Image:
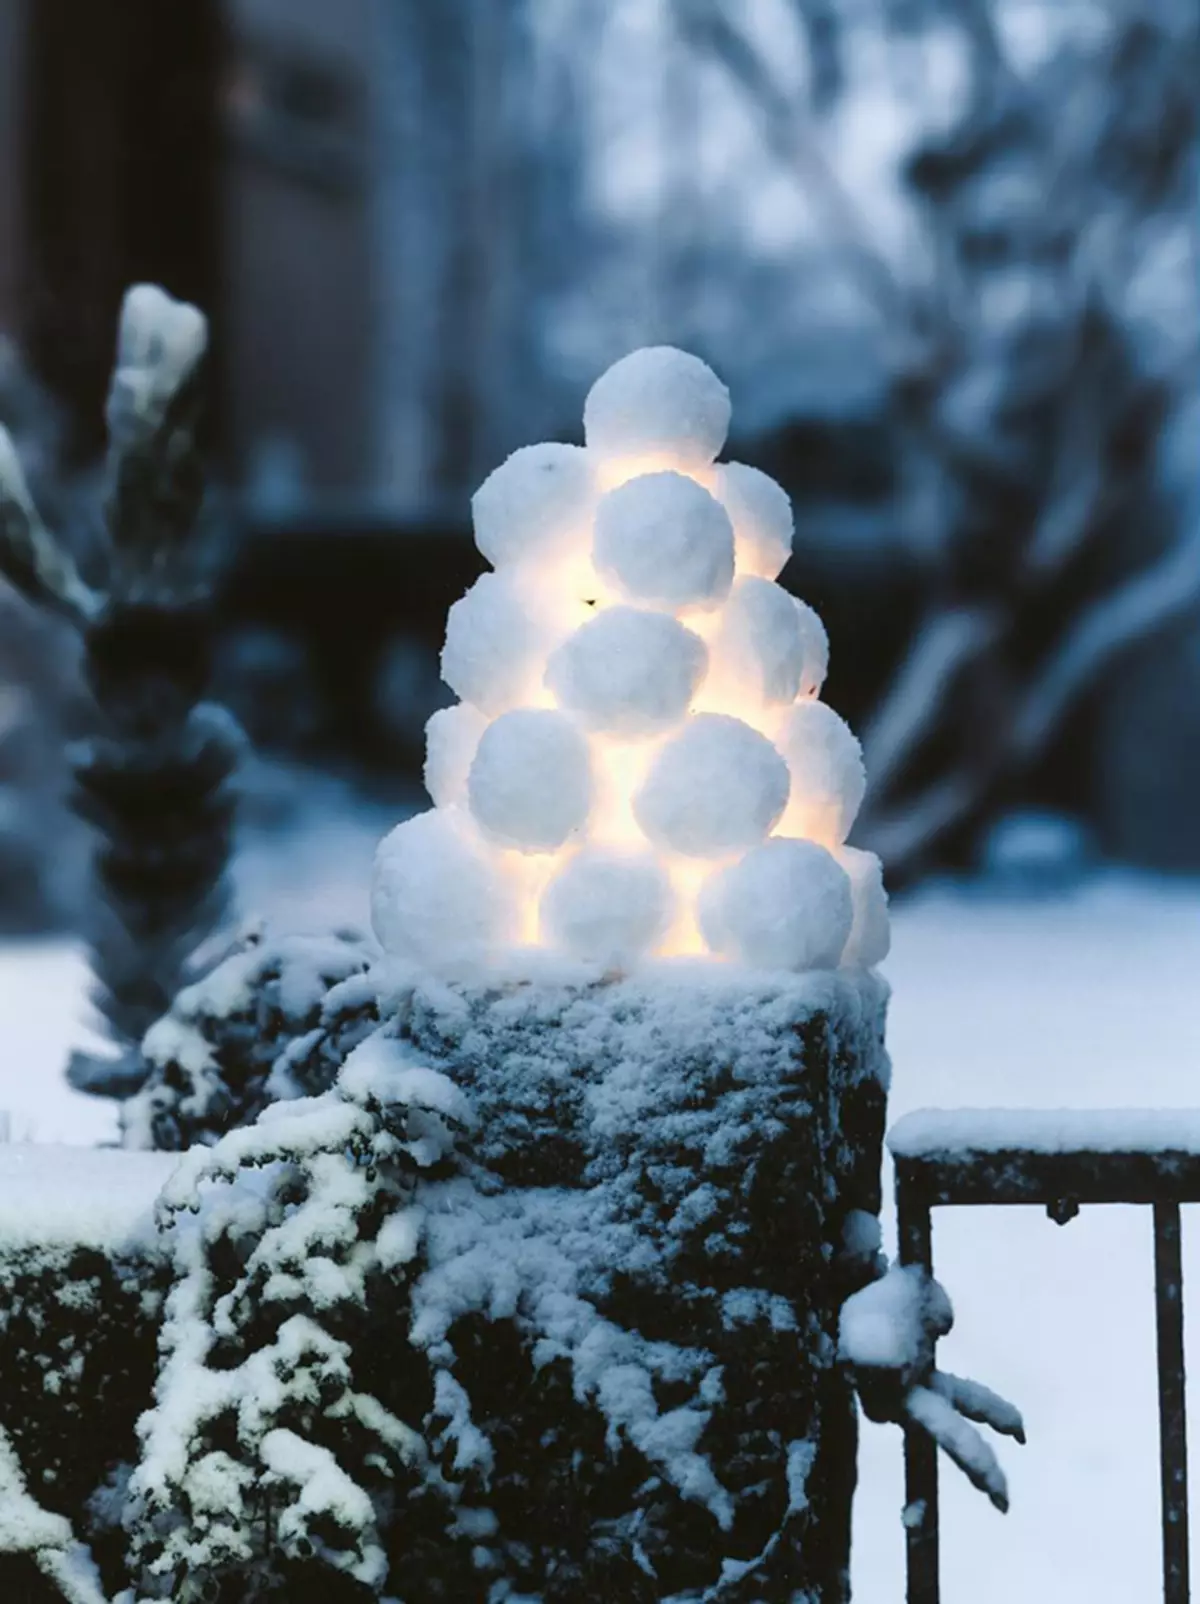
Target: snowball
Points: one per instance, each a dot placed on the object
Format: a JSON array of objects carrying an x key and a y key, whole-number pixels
[
  {"x": 628, "y": 672},
  {"x": 761, "y": 515},
  {"x": 451, "y": 736},
  {"x": 785, "y": 905},
  {"x": 870, "y": 936},
  {"x": 494, "y": 645},
  {"x": 718, "y": 787},
  {"x": 607, "y": 907},
  {"x": 537, "y": 500},
  {"x": 816, "y": 649},
  {"x": 759, "y": 650},
  {"x": 530, "y": 783},
  {"x": 434, "y": 897},
  {"x": 658, "y": 400},
  {"x": 662, "y": 538},
  {"x": 828, "y": 778}
]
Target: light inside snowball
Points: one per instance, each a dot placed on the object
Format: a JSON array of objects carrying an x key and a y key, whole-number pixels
[
  {"x": 663, "y": 540},
  {"x": 451, "y": 737},
  {"x": 608, "y": 907},
  {"x": 435, "y": 898},
  {"x": 761, "y": 514},
  {"x": 627, "y": 672},
  {"x": 535, "y": 504},
  {"x": 658, "y": 400},
  {"x": 716, "y": 788},
  {"x": 786, "y": 905},
  {"x": 828, "y": 777},
  {"x": 530, "y": 782}
]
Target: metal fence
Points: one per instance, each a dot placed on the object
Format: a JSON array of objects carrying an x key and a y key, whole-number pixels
[{"x": 956, "y": 1158}]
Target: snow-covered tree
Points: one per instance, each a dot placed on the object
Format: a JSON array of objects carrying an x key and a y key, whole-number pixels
[{"x": 153, "y": 779}]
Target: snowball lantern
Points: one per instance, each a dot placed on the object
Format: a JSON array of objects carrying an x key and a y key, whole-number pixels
[{"x": 639, "y": 766}]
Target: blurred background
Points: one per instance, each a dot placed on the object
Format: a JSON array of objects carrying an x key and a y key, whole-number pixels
[
  {"x": 946, "y": 255},
  {"x": 944, "y": 252}
]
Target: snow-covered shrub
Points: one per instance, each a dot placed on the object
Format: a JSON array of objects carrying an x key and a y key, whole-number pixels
[
  {"x": 153, "y": 780},
  {"x": 82, "y": 1282},
  {"x": 273, "y": 1018},
  {"x": 513, "y": 1309}
]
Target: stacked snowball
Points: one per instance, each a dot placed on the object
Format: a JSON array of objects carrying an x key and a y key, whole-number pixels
[{"x": 639, "y": 763}]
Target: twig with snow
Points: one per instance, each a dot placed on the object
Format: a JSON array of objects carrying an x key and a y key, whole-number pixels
[{"x": 888, "y": 1336}]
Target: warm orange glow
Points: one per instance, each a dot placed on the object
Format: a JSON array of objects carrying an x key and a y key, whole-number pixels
[{"x": 618, "y": 769}]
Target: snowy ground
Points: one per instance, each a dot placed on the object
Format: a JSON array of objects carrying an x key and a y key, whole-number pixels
[{"x": 1086, "y": 1000}]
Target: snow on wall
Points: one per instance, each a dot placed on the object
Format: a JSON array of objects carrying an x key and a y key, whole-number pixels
[{"x": 78, "y": 1197}]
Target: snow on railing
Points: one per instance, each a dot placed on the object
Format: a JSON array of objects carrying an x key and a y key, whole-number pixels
[{"x": 1058, "y": 1159}]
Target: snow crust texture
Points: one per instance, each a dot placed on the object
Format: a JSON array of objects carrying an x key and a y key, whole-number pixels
[
  {"x": 505, "y": 1313},
  {"x": 632, "y": 680}
]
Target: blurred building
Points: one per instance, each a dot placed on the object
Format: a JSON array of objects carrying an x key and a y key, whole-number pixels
[{"x": 340, "y": 186}]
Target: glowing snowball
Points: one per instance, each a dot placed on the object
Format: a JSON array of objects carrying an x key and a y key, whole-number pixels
[
  {"x": 494, "y": 645},
  {"x": 451, "y": 736},
  {"x": 627, "y": 672},
  {"x": 816, "y": 649},
  {"x": 435, "y": 899},
  {"x": 761, "y": 515},
  {"x": 607, "y": 907},
  {"x": 658, "y": 401},
  {"x": 870, "y": 936},
  {"x": 828, "y": 778},
  {"x": 537, "y": 500},
  {"x": 530, "y": 783},
  {"x": 785, "y": 905},
  {"x": 759, "y": 651},
  {"x": 718, "y": 787},
  {"x": 661, "y": 538}
]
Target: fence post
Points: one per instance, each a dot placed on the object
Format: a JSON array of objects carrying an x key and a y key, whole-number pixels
[
  {"x": 1172, "y": 1417},
  {"x": 914, "y": 1220}
]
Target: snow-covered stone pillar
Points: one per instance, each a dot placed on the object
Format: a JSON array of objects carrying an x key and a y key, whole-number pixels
[{"x": 631, "y": 931}]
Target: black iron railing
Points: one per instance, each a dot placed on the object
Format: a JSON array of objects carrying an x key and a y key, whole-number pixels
[{"x": 1061, "y": 1162}]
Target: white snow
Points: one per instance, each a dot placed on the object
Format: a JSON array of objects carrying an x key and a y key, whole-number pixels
[
  {"x": 608, "y": 907},
  {"x": 785, "y": 905},
  {"x": 435, "y": 899},
  {"x": 717, "y": 788},
  {"x": 627, "y": 672},
  {"x": 761, "y": 514},
  {"x": 662, "y": 539},
  {"x": 534, "y": 504},
  {"x": 759, "y": 652},
  {"x": 451, "y": 738},
  {"x": 829, "y": 782},
  {"x": 870, "y": 935},
  {"x": 56, "y": 1196},
  {"x": 658, "y": 400},
  {"x": 530, "y": 785},
  {"x": 1088, "y": 998},
  {"x": 816, "y": 649},
  {"x": 883, "y": 1325},
  {"x": 495, "y": 646},
  {"x": 932, "y": 1132}
]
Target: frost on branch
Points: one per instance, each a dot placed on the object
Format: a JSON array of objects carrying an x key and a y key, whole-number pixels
[{"x": 888, "y": 1333}]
